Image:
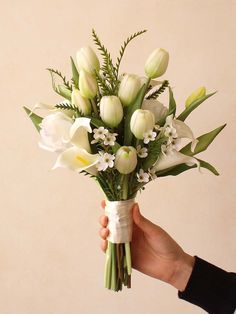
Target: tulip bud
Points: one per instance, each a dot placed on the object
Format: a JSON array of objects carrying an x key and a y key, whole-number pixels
[
  {"x": 198, "y": 93},
  {"x": 156, "y": 107},
  {"x": 87, "y": 60},
  {"x": 157, "y": 63},
  {"x": 126, "y": 159},
  {"x": 82, "y": 103},
  {"x": 87, "y": 85},
  {"x": 111, "y": 110},
  {"x": 129, "y": 88},
  {"x": 141, "y": 121}
]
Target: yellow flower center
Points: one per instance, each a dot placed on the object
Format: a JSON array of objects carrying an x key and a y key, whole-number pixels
[{"x": 83, "y": 160}]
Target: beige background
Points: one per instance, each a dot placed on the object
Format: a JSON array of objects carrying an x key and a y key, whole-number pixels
[{"x": 50, "y": 261}]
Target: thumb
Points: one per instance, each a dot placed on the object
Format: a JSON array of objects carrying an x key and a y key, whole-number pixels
[{"x": 140, "y": 221}]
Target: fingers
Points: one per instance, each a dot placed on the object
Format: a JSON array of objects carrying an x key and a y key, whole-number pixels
[
  {"x": 104, "y": 232},
  {"x": 104, "y": 245},
  {"x": 103, "y": 221},
  {"x": 103, "y": 204}
]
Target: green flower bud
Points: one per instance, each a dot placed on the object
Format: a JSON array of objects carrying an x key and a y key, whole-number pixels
[
  {"x": 87, "y": 85},
  {"x": 157, "y": 63},
  {"x": 111, "y": 110},
  {"x": 82, "y": 103},
  {"x": 129, "y": 88},
  {"x": 126, "y": 159},
  {"x": 198, "y": 93}
]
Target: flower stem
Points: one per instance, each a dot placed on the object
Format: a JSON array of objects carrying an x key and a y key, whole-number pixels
[
  {"x": 128, "y": 258},
  {"x": 94, "y": 105}
]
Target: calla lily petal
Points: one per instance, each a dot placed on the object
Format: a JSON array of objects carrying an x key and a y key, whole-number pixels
[
  {"x": 77, "y": 159},
  {"x": 79, "y": 133},
  {"x": 174, "y": 158}
]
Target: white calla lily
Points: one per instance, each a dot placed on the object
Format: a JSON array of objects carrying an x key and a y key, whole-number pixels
[
  {"x": 78, "y": 159},
  {"x": 156, "y": 107},
  {"x": 79, "y": 133},
  {"x": 173, "y": 158},
  {"x": 182, "y": 129}
]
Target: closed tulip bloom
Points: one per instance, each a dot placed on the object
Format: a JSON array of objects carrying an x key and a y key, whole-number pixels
[
  {"x": 111, "y": 110},
  {"x": 82, "y": 103},
  {"x": 157, "y": 63},
  {"x": 141, "y": 122},
  {"x": 126, "y": 159},
  {"x": 87, "y": 85},
  {"x": 129, "y": 88},
  {"x": 87, "y": 60},
  {"x": 198, "y": 93}
]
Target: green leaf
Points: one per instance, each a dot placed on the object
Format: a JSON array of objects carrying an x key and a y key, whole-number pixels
[
  {"x": 193, "y": 106},
  {"x": 203, "y": 142},
  {"x": 130, "y": 110},
  {"x": 115, "y": 147},
  {"x": 64, "y": 91},
  {"x": 172, "y": 103},
  {"x": 154, "y": 151},
  {"x": 75, "y": 73},
  {"x": 97, "y": 122},
  {"x": 34, "y": 118},
  {"x": 174, "y": 171}
]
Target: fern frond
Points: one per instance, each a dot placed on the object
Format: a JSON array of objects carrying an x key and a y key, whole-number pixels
[
  {"x": 123, "y": 47},
  {"x": 107, "y": 68},
  {"x": 68, "y": 106},
  {"x": 63, "y": 78},
  {"x": 159, "y": 91},
  {"x": 105, "y": 89}
]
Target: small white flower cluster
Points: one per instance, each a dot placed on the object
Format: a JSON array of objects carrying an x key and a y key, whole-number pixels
[
  {"x": 149, "y": 136},
  {"x": 102, "y": 134},
  {"x": 105, "y": 161},
  {"x": 144, "y": 177},
  {"x": 170, "y": 132},
  {"x": 141, "y": 151}
]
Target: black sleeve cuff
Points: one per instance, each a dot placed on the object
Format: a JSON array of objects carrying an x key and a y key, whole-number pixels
[{"x": 211, "y": 288}]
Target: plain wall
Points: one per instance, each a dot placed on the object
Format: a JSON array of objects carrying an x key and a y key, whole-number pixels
[{"x": 50, "y": 260}]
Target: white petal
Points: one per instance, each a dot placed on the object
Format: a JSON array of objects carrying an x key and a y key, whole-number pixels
[
  {"x": 79, "y": 133},
  {"x": 172, "y": 159},
  {"x": 184, "y": 131},
  {"x": 77, "y": 159}
]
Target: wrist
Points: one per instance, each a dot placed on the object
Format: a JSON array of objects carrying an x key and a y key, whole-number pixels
[{"x": 182, "y": 272}]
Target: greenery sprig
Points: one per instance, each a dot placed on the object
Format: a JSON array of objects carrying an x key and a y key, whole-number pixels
[
  {"x": 159, "y": 91},
  {"x": 59, "y": 74}
]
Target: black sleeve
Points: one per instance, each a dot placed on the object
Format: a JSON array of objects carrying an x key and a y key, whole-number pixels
[{"x": 211, "y": 288}]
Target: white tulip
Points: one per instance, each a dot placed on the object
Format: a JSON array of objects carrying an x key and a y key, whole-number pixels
[
  {"x": 157, "y": 108},
  {"x": 129, "y": 88},
  {"x": 79, "y": 133},
  {"x": 87, "y": 85},
  {"x": 141, "y": 122},
  {"x": 126, "y": 159},
  {"x": 55, "y": 132},
  {"x": 173, "y": 158},
  {"x": 78, "y": 159},
  {"x": 157, "y": 63},
  {"x": 111, "y": 110},
  {"x": 87, "y": 60},
  {"x": 82, "y": 103}
]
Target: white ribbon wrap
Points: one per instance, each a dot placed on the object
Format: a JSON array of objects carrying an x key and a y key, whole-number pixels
[{"x": 120, "y": 221}]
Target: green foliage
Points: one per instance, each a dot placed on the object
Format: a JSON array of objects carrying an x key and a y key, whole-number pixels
[
  {"x": 123, "y": 47},
  {"x": 172, "y": 103},
  {"x": 105, "y": 187},
  {"x": 63, "y": 91},
  {"x": 159, "y": 91},
  {"x": 130, "y": 110},
  {"x": 154, "y": 151},
  {"x": 193, "y": 106},
  {"x": 75, "y": 73},
  {"x": 34, "y": 118},
  {"x": 104, "y": 87},
  {"x": 56, "y": 73},
  {"x": 203, "y": 142},
  {"x": 68, "y": 106},
  {"x": 107, "y": 67},
  {"x": 97, "y": 122}
]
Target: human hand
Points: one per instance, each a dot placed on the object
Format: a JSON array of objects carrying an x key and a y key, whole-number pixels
[{"x": 153, "y": 251}]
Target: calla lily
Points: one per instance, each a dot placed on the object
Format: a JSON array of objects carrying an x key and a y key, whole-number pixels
[
  {"x": 173, "y": 158},
  {"x": 156, "y": 107},
  {"x": 78, "y": 159},
  {"x": 79, "y": 133},
  {"x": 182, "y": 129}
]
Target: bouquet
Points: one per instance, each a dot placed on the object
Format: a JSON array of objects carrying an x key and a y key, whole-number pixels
[{"x": 112, "y": 127}]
